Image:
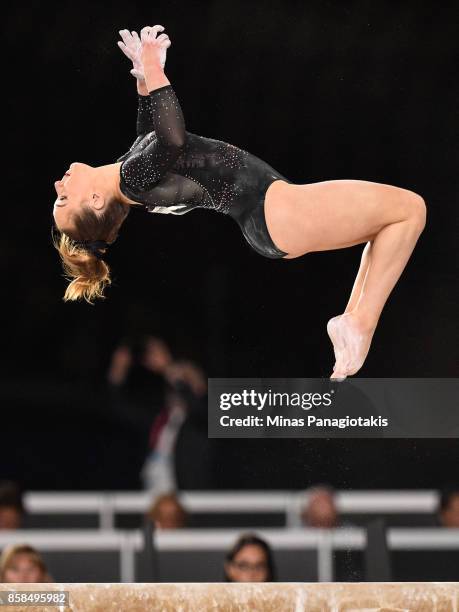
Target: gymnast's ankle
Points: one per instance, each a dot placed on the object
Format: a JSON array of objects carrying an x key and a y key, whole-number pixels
[{"x": 365, "y": 322}]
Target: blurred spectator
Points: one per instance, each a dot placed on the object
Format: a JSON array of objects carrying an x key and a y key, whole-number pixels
[
  {"x": 151, "y": 353},
  {"x": 249, "y": 560},
  {"x": 22, "y": 563},
  {"x": 161, "y": 404},
  {"x": 448, "y": 512},
  {"x": 180, "y": 432},
  {"x": 11, "y": 506},
  {"x": 156, "y": 355},
  {"x": 320, "y": 510},
  {"x": 192, "y": 438},
  {"x": 158, "y": 471},
  {"x": 168, "y": 513},
  {"x": 137, "y": 391},
  {"x": 136, "y": 368}
]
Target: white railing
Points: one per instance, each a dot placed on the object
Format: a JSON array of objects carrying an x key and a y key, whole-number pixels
[
  {"x": 107, "y": 505},
  {"x": 78, "y": 540},
  {"x": 323, "y": 541}
]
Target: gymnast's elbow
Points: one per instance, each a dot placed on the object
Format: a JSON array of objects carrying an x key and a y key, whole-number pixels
[
  {"x": 177, "y": 141},
  {"x": 174, "y": 145}
]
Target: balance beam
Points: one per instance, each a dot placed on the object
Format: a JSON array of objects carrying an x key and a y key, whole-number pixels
[{"x": 248, "y": 597}]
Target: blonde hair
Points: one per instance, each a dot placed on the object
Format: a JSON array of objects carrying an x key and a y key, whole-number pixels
[
  {"x": 7, "y": 558},
  {"x": 88, "y": 275}
]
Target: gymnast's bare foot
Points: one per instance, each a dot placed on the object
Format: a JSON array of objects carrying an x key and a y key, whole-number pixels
[
  {"x": 337, "y": 340},
  {"x": 351, "y": 337}
]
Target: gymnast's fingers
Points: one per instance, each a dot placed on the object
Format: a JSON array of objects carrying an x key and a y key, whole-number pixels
[
  {"x": 157, "y": 28},
  {"x": 124, "y": 49},
  {"x": 162, "y": 37},
  {"x": 153, "y": 31},
  {"x": 126, "y": 36},
  {"x": 144, "y": 33}
]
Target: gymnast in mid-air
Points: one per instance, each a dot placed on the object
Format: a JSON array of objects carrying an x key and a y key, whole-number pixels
[{"x": 170, "y": 170}]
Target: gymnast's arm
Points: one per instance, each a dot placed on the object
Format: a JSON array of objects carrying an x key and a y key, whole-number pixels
[
  {"x": 144, "y": 123},
  {"x": 146, "y": 167},
  {"x": 144, "y": 110}
]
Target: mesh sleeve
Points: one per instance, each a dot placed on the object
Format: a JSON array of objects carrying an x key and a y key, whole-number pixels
[
  {"x": 144, "y": 122},
  {"x": 144, "y": 168},
  {"x": 144, "y": 115}
]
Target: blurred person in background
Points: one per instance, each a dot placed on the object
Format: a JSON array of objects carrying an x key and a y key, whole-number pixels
[
  {"x": 167, "y": 512},
  {"x": 158, "y": 470},
  {"x": 135, "y": 368},
  {"x": 180, "y": 432},
  {"x": 136, "y": 396},
  {"x": 162, "y": 403},
  {"x": 11, "y": 506},
  {"x": 249, "y": 560},
  {"x": 320, "y": 509},
  {"x": 22, "y": 563},
  {"x": 321, "y": 512},
  {"x": 190, "y": 382},
  {"x": 448, "y": 511}
]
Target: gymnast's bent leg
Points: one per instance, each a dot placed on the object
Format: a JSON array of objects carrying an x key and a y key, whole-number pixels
[
  {"x": 337, "y": 214},
  {"x": 338, "y": 344}
]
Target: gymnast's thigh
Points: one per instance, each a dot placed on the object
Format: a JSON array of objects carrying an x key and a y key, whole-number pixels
[{"x": 329, "y": 215}]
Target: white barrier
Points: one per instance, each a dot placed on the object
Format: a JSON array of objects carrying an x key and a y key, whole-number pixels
[
  {"x": 106, "y": 505},
  {"x": 323, "y": 541}
]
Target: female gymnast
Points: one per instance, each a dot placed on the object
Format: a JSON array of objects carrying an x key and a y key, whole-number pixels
[{"x": 171, "y": 170}]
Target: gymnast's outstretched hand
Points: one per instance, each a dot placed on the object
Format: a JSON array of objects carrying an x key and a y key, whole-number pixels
[
  {"x": 131, "y": 46},
  {"x": 153, "y": 49}
]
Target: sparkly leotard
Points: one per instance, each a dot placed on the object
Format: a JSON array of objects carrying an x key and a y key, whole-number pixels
[{"x": 171, "y": 170}]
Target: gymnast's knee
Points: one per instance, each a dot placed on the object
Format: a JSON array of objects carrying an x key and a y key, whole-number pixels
[{"x": 418, "y": 210}]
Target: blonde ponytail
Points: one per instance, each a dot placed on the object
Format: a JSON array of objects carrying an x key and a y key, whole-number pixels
[{"x": 88, "y": 274}]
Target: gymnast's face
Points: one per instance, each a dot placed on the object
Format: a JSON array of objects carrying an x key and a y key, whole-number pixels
[{"x": 74, "y": 192}]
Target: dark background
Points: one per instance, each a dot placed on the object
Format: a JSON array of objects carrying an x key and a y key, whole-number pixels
[{"x": 319, "y": 90}]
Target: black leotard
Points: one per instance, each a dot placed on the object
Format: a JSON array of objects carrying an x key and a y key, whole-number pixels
[{"x": 171, "y": 170}]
